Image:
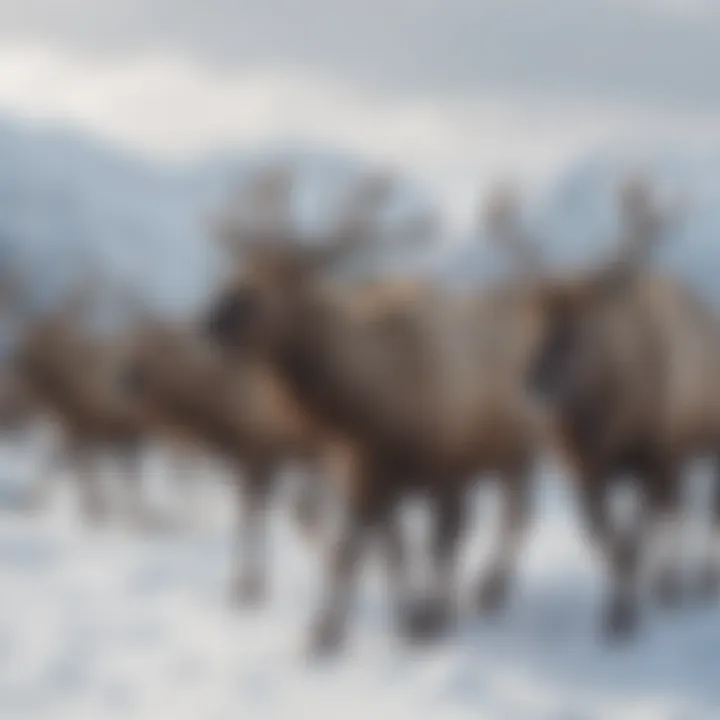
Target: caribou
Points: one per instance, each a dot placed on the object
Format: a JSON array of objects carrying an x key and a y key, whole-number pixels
[
  {"x": 628, "y": 367},
  {"x": 241, "y": 413},
  {"x": 423, "y": 400},
  {"x": 67, "y": 377}
]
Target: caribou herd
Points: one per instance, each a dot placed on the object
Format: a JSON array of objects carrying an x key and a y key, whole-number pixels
[{"x": 381, "y": 390}]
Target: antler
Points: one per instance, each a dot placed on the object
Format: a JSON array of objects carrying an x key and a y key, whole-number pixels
[
  {"x": 502, "y": 219},
  {"x": 359, "y": 223},
  {"x": 644, "y": 221},
  {"x": 269, "y": 196},
  {"x": 365, "y": 226},
  {"x": 261, "y": 217},
  {"x": 259, "y": 209}
]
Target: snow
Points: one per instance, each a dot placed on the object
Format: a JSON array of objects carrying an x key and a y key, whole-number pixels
[{"x": 112, "y": 623}]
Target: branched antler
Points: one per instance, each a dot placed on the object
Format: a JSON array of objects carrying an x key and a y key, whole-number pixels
[
  {"x": 644, "y": 221},
  {"x": 364, "y": 224},
  {"x": 261, "y": 216},
  {"x": 502, "y": 220},
  {"x": 360, "y": 221},
  {"x": 259, "y": 209}
]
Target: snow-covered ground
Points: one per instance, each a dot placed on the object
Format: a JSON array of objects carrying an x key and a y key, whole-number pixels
[{"x": 107, "y": 623}]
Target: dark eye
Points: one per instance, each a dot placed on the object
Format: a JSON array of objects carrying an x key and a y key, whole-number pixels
[
  {"x": 232, "y": 314},
  {"x": 242, "y": 307}
]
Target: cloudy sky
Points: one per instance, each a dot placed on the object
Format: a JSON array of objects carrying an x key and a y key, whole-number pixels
[{"x": 451, "y": 89}]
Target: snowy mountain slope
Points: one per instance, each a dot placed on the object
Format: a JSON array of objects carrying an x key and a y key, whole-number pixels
[
  {"x": 65, "y": 197},
  {"x": 61, "y": 194}
]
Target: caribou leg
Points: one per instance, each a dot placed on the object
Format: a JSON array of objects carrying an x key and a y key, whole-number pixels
[
  {"x": 52, "y": 461},
  {"x": 434, "y": 614},
  {"x": 131, "y": 459},
  {"x": 622, "y": 550},
  {"x": 184, "y": 482},
  {"x": 366, "y": 506},
  {"x": 493, "y": 589},
  {"x": 710, "y": 577},
  {"x": 393, "y": 550},
  {"x": 250, "y": 582},
  {"x": 90, "y": 482},
  {"x": 308, "y": 506},
  {"x": 664, "y": 496}
]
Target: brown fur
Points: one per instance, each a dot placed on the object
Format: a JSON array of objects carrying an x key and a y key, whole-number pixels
[
  {"x": 70, "y": 377},
  {"x": 425, "y": 406},
  {"x": 630, "y": 365},
  {"x": 244, "y": 412}
]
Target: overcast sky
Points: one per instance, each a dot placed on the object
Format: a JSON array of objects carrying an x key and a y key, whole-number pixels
[{"x": 448, "y": 88}]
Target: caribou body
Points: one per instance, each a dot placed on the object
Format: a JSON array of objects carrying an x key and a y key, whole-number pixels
[
  {"x": 629, "y": 366},
  {"x": 424, "y": 398}
]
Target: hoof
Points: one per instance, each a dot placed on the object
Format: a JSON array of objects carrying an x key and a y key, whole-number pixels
[
  {"x": 326, "y": 639},
  {"x": 621, "y": 621},
  {"x": 95, "y": 517},
  {"x": 308, "y": 520},
  {"x": 708, "y": 588},
  {"x": 248, "y": 592},
  {"x": 493, "y": 594},
  {"x": 668, "y": 590},
  {"x": 427, "y": 621}
]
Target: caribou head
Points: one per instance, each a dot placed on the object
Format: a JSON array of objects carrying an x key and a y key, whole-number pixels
[
  {"x": 589, "y": 320},
  {"x": 278, "y": 270}
]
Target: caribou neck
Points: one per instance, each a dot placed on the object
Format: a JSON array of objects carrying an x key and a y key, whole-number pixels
[{"x": 329, "y": 360}]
